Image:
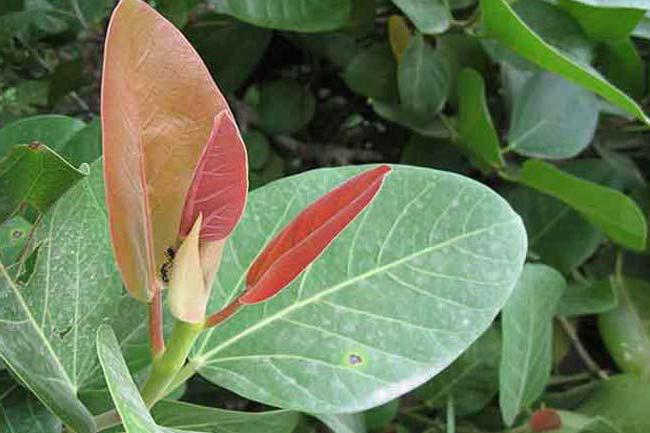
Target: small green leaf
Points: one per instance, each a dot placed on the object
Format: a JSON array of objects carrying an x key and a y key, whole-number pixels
[
  {"x": 475, "y": 126},
  {"x": 293, "y": 15},
  {"x": 187, "y": 416},
  {"x": 527, "y": 324},
  {"x": 372, "y": 73},
  {"x": 258, "y": 149},
  {"x": 66, "y": 77},
  {"x": 557, "y": 234},
  {"x": 395, "y": 298},
  {"x": 285, "y": 107},
  {"x": 428, "y": 16},
  {"x": 609, "y": 210},
  {"x": 51, "y": 130},
  {"x": 472, "y": 380},
  {"x": 231, "y": 49},
  {"x": 85, "y": 145},
  {"x": 552, "y": 118},
  {"x": 623, "y": 400},
  {"x": 577, "y": 423},
  {"x": 34, "y": 175},
  {"x": 580, "y": 299},
  {"x": 502, "y": 23},
  {"x": 626, "y": 329},
  {"x": 423, "y": 79},
  {"x": 596, "y": 20}
]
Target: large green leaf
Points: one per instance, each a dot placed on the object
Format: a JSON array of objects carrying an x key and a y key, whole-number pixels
[
  {"x": 401, "y": 293},
  {"x": 52, "y": 130},
  {"x": 626, "y": 329},
  {"x": 622, "y": 400},
  {"x": 47, "y": 326},
  {"x": 423, "y": 79},
  {"x": 22, "y": 413},
  {"x": 527, "y": 324},
  {"x": 557, "y": 234},
  {"x": 611, "y": 211},
  {"x": 472, "y": 380},
  {"x": 428, "y": 16},
  {"x": 503, "y": 23},
  {"x": 552, "y": 118},
  {"x": 211, "y": 420},
  {"x": 475, "y": 126},
  {"x": 295, "y": 15},
  {"x": 34, "y": 175}
]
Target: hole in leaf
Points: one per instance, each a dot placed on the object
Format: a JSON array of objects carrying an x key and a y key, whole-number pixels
[
  {"x": 354, "y": 359},
  {"x": 17, "y": 234}
]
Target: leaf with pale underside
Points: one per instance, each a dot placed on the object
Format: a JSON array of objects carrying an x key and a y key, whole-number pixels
[
  {"x": 305, "y": 238},
  {"x": 47, "y": 326},
  {"x": 392, "y": 301},
  {"x": 158, "y": 107}
]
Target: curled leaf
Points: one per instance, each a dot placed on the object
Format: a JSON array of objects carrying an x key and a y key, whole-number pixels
[
  {"x": 220, "y": 183},
  {"x": 188, "y": 294},
  {"x": 158, "y": 105},
  {"x": 305, "y": 238}
]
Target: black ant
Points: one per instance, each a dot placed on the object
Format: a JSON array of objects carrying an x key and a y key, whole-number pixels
[{"x": 165, "y": 269}]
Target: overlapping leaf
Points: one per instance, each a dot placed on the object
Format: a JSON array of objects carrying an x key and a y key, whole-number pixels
[{"x": 410, "y": 284}]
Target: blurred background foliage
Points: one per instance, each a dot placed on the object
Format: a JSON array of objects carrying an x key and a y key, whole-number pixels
[{"x": 540, "y": 100}]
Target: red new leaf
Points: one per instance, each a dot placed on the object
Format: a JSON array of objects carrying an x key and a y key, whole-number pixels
[
  {"x": 544, "y": 420},
  {"x": 219, "y": 185},
  {"x": 307, "y": 236}
]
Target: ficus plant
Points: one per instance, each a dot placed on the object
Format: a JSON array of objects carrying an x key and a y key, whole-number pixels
[{"x": 174, "y": 258}]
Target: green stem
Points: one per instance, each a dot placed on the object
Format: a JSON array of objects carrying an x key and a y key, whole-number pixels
[{"x": 166, "y": 367}]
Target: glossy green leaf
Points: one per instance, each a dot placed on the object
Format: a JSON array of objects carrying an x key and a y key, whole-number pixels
[
  {"x": 624, "y": 66},
  {"x": 552, "y": 118},
  {"x": 475, "y": 125},
  {"x": 285, "y": 107},
  {"x": 428, "y": 16},
  {"x": 472, "y": 380},
  {"x": 344, "y": 423},
  {"x": 231, "y": 49},
  {"x": 623, "y": 401},
  {"x": 609, "y": 210},
  {"x": 597, "y": 20},
  {"x": 22, "y": 413},
  {"x": 626, "y": 329},
  {"x": 294, "y": 15},
  {"x": 212, "y": 420},
  {"x": 34, "y": 175},
  {"x": 557, "y": 234},
  {"x": 47, "y": 326},
  {"x": 13, "y": 237},
  {"x": 502, "y": 23},
  {"x": 372, "y": 73},
  {"x": 423, "y": 79},
  {"x": 52, "y": 130},
  {"x": 580, "y": 299},
  {"x": 527, "y": 325},
  {"x": 394, "y": 299}
]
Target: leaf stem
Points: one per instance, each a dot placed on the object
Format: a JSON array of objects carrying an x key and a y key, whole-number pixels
[
  {"x": 223, "y": 314},
  {"x": 580, "y": 349},
  {"x": 166, "y": 367},
  {"x": 156, "y": 336}
]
